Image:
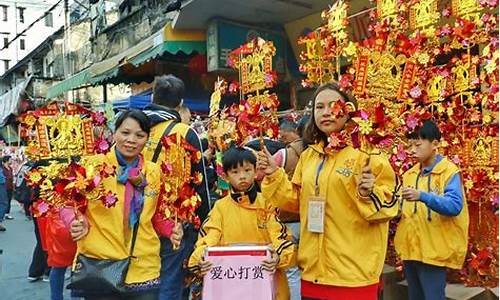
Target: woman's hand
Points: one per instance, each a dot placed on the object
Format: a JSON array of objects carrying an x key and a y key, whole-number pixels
[
  {"x": 79, "y": 228},
  {"x": 265, "y": 162},
  {"x": 270, "y": 264},
  {"x": 177, "y": 234},
  {"x": 205, "y": 267},
  {"x": 367, "y": 182}
]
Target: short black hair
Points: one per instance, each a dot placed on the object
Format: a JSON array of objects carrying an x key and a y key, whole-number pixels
[
  {"x": 5, "y": 158},
  {"x": 288, "y": 125},
  {"x": 137, "y": 115},
  {"x": 302, "y": 125},
  {"x": 428, "y": 131},
  {"x": 168, "y": 91},
  {"x": 236, "y": 156}
]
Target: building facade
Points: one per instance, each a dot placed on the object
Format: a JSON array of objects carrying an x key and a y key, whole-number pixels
[{"x": 18, "y": 15}]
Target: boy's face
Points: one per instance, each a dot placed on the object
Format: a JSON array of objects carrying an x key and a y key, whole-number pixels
[
  {"x": 422, "y": 150},
  {"x": 242, "y": 177}
]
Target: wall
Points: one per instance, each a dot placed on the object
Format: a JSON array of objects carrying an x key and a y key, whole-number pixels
[{"x": 34, "y": 36}]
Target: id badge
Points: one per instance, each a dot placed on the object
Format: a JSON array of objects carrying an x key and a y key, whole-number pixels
[{"x": 316, "y": 214}]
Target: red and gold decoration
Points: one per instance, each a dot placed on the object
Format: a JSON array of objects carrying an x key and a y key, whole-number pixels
[
  {"x": 62, "y": 132},
  {"x": 62, "y": 138},
  {"x": 425, "y": 60},
  {"x": 178, "y": 200}
]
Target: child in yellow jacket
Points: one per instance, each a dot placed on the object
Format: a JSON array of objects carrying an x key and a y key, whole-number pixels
[
  {"x": 243, "y": 217},
  {"x": 432, "y": 234}
]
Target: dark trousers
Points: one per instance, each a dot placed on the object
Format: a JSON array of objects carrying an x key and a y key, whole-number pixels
[
  {"x": 9, "y": 198},
  {"x": 173, "y": 272},
  {"x": 425, "y": 282},
  {"x": 38, "y": 265},
  {"x": 4, "y": 201}
]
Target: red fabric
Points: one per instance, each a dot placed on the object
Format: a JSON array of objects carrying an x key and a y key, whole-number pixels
[
  {"x": 329, "y": 292},
  {"x": 9, "y": 178},
  {"x": 42, "y": 221},
  {"x": 163, "y": 227},
  {"x": 61, "y": 248}
]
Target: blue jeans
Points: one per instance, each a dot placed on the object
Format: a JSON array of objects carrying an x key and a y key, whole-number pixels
[
  {"x": 293, "y": 274},
  {"x": 425, "y": 282},
  {"x": 56, "y": 278},
  {"x": 172, "y": 271},
  {"x": 4, "y": 201}
]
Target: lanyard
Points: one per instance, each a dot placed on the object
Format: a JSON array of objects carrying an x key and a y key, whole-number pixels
[{"x": 318, "y": 171}]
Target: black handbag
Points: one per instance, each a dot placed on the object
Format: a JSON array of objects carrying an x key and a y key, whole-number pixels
[{"x": 102, "y": 275}]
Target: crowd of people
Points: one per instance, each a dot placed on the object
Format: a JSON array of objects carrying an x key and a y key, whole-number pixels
[{"x": 324, "y": 215}]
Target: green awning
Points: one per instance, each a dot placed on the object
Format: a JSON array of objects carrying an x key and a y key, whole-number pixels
[
  {"x": 68, "y": 84},
  {"x": 173, "y": 47},
  {"x": 98, "y": 79}
]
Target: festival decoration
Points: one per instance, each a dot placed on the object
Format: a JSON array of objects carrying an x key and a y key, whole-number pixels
[
  {"x": 421, "y": 63},
  {"x": 63, "y": 133},
  {"x": 61, "y": 137},
  {"x": 178, "y": 200}
]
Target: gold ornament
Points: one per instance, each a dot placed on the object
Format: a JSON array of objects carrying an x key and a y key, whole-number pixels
[
  {"x": 387, "y": 9},
  {"x": 424, "y": 16},
  {"x": 466, "y": 9},
  {"x": 384, "y": 73}
]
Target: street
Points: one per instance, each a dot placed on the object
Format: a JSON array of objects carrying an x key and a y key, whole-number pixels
[{"x": 17, "y": 244}]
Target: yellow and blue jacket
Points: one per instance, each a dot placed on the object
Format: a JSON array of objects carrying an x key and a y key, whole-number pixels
[{"x": 434, "y": 230}]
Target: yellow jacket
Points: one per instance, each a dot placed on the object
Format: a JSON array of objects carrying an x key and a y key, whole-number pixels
[
  {"x": 434, "y": 230},
  {"x": 351, "y": 251},
  {"x": 230, "y": 222},
  {"x": 106, "y": 239}
]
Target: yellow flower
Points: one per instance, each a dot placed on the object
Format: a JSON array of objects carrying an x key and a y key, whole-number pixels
[
  {"x": 365, "y": 126},
  {"x": 491, "y": 66},
  {"x": 35, "y": 176},
  {"x": 469, "y": 184},
  {"x": 423, "y": 58},
  {"x": 487, "y": 118}
]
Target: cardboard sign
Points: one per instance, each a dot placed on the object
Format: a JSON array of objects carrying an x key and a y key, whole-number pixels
[{"x": 237, "y": 274}]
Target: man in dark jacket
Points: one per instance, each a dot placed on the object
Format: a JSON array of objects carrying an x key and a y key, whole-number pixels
[
  {"x": 9, "y": 183},
  {"x": 164, "y": 115}
]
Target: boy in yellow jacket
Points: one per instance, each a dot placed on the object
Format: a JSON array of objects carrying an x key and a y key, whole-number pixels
[
  {"x": 432, "y": 234},
  {"x": 243, "y": 217}
]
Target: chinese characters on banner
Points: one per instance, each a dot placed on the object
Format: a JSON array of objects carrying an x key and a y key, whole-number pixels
[{"x": 237, "y": 274}]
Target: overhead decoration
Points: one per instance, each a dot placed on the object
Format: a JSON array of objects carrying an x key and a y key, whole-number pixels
[{"x": 421, "y": 61}]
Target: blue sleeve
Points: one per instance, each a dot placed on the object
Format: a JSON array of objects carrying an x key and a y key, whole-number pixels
[{"x": 451, "y": 203}]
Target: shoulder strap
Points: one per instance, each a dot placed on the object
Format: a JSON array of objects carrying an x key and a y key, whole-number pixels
[
  {"x": 159, "y": 145},
  {"x": 134, "y": 237}
]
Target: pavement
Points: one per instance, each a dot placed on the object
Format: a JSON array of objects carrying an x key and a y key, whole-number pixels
[{"x": 17, "y": 244}]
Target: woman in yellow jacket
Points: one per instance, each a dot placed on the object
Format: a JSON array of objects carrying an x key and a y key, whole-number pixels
[
  {"x": 106, "y": 233},
  {"x": 344, "y": 204}
]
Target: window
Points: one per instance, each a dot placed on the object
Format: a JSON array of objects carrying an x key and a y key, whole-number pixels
[
  {"x": 22, "y": 44},
  {"x": 48, "y": 20},
  {"x": 21, "y": 14},
  {"x": 3, "y": 12},
  {"x": 5, "y": 42},
  {"x": 6, "y": 64}
]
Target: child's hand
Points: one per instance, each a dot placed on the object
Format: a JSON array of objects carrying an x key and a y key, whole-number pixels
[
  {"x": 271, "y": 263},
  {"x": 265, "y": 162},
  {"x": 177, "y": 234},
  {"x": 411, "y": 194},
  {"x": 205, "y": 267}
]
